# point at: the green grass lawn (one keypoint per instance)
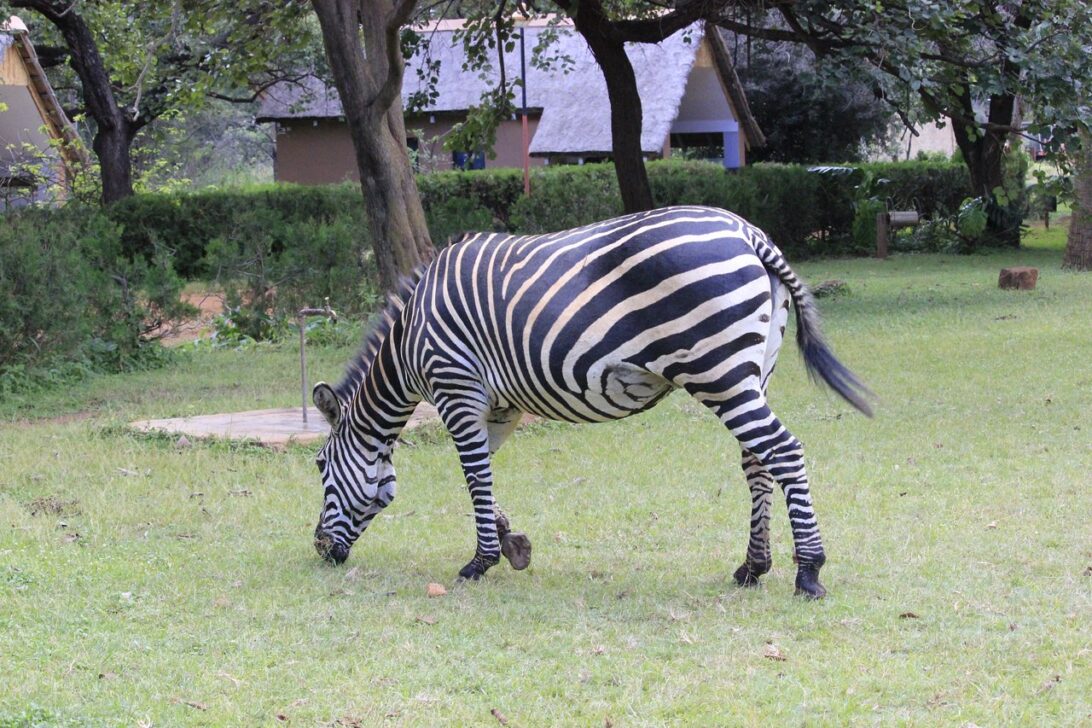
(145, 584)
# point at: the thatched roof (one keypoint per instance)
(572, 96)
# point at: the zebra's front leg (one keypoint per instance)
(758, 560)
(464, 416)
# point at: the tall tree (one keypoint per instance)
(136, 61)
(607, 33)
(1078, 249)
(368, 77)
(809, 111)
(966, 61)
(607, 26)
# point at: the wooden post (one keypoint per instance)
(881, 235)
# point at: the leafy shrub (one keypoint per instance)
(459, 202)
(68, 293)
(566, 197)
(270, 267)
(187, 223)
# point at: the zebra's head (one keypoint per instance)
(357, 479)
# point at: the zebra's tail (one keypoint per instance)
(819, 360)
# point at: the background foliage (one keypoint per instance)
(85, 283)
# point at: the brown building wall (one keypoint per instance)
(320, 151)
(314, 152)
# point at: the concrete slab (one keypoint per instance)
(272, 427)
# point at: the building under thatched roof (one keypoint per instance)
(38, 144)
(689, 92)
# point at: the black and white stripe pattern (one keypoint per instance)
(584, 325)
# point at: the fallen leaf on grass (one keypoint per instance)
(501, 718)
(426, 619)
(773, 652)
(908, 615)
(436, 590)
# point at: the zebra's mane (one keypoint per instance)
(377, 333)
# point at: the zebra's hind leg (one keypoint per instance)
(759, 431)
(758, 559)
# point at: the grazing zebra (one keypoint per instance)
(583, 325)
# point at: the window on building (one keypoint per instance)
(468, 160)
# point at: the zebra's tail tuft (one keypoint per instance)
(819, 360)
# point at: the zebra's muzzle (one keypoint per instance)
(329, 549)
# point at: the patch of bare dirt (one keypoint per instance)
(52, 506)
(174, 333)
(58, 420)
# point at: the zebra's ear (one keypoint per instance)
(327, 402)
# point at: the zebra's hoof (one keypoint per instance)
(477, 567)
(807, 582)
(470, 572)
(516, 547)
(745, 577)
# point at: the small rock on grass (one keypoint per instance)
(436, 590)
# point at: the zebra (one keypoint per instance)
(591, 324)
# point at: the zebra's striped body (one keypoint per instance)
(584, 325)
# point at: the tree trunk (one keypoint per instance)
(112, 147)
(625, 102)
(1078, 247)
(984, 156)
(365, 78)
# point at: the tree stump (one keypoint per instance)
(1020, 278)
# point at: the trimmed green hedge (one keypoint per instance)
(806, 213)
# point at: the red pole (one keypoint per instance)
(526, 156)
